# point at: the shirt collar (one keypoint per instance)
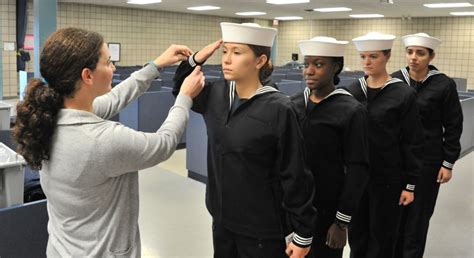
(67, 116)
(259, 91)
(432, 71)
(307, 93)
(363, 83)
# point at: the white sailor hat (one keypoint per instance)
(248, 33)
(421, 40)
(322, 46)
(374, 41)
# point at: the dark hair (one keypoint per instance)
(386, 52)
(339, 61)
(65, 54)
(267, 68)
(430, 51)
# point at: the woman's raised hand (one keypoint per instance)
(174, 54)
(207, 51)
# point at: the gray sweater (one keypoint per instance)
(91, 181)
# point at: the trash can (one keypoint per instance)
(11, 177)
(4, 115)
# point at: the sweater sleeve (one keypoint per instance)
(108, 105)
(356, 159)
(128, 150)
(452, 124)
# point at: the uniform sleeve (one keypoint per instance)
(126, 150)
(108, 105)
(356, 159)
(184, 69)
(452, 123)
(297, 181)
(412, 140)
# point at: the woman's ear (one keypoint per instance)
(336, 67)
(86, 76)
(261, 61)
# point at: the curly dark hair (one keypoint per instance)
(65, 54)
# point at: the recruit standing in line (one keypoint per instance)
(258, 189)
(442, 117)
(334, 127)
(395, 141)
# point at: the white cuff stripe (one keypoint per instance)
(447, 164)
(343, 217)
(302, 240)
(410, 187)
(191, 60)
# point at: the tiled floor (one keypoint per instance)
(175, 223)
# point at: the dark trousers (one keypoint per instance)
(228, 244)
(319, 249)
(374, 228)
(416, 216)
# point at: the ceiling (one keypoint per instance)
(400, 8)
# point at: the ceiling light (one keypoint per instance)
(462, 13)
(366, 15)
(288, 18)
(250, 13)
(333, 9)
(204, 8)
(448, 5)
(143, 1)
(287, 1)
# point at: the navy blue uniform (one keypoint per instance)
(258, 186)
(441, 115)
(395, 141)
(335, 135)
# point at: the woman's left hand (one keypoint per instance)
(406, 198)
(336, 237)
(174, 54)
(444, 175)
(294, 251)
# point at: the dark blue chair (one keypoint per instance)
(23, 230)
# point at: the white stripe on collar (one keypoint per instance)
(265, 89)
(364, 86)
(391, 81)
(431, 73)
(259, 91)
(406, 74)
(231, 93)
(307, 93)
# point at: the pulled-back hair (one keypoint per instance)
(267, 68)
(65, 54)
(339, 61)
